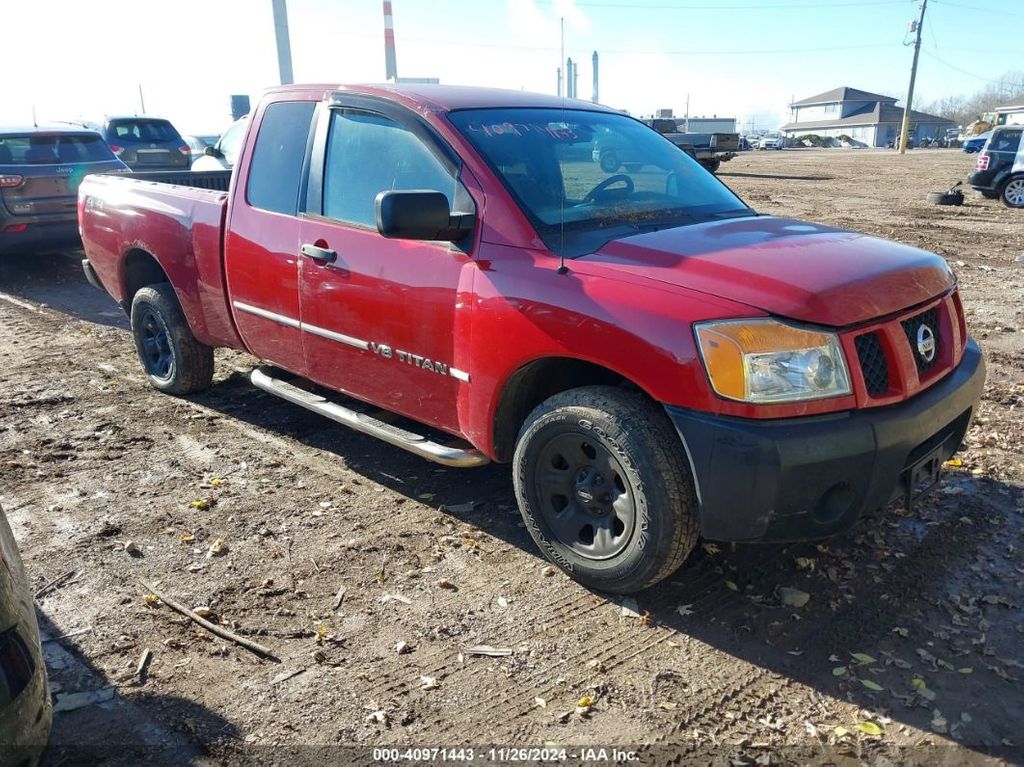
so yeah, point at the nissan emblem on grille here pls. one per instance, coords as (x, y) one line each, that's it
(926, 343)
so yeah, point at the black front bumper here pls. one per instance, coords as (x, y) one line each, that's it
(811, 477)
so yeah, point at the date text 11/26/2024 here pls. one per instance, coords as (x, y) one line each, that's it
(502, 754)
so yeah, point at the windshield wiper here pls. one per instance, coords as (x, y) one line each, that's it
(745, 213)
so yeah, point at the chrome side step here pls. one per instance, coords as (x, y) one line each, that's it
(459, 457)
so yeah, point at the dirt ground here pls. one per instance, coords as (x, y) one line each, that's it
(909, 650)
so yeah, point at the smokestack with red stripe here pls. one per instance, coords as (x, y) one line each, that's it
(389, 43)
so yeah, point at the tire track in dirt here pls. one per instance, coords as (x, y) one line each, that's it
(623, 653)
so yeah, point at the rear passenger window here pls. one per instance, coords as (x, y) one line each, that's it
(368, 154)
(276, 165)
(1005, 141)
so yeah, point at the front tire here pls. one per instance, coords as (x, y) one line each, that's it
(1012, 194)
(609, 162)
(605, 489)
(174, 361)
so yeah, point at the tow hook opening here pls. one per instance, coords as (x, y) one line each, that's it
(834, 504)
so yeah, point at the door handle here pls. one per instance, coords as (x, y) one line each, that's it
(324, 255)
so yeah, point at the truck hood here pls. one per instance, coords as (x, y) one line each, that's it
(787, 268)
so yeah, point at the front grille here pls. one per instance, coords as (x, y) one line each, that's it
(873, 364)
(929, 319)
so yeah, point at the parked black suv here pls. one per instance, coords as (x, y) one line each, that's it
(145, 143)
(40, 170)
(1000, 169)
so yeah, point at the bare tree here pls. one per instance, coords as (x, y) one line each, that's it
(963, 110)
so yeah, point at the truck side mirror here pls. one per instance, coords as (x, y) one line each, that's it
(420, 215)
(212, 151)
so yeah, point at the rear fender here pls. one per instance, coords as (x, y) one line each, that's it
(137, 232)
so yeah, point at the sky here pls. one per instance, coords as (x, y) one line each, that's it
(740, 58)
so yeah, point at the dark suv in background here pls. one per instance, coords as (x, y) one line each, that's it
(40, 170)
(1000, 169)
(145, 143)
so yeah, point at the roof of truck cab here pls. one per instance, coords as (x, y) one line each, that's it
(448, 98)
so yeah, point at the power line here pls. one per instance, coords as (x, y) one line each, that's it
(739, 52)
(963, 71)
(974, 9)
(935, 45)
(817, 7)
(642, 51)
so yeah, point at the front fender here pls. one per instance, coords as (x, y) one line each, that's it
(525, 310)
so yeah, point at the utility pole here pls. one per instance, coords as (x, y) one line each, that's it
(905, 130)
(562, 59)
(284, 46)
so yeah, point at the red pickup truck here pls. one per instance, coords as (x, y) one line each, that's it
(656, 360)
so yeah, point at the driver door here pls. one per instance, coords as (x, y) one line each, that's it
(379, 316)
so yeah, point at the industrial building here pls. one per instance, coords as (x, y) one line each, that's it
(870, 119)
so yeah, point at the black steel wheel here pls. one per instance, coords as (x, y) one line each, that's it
(156, 355)
(174, 361)
(605, 488)
(585, 495)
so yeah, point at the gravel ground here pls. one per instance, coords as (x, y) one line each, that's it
(333, 550)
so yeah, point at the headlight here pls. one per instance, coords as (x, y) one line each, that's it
(765, 360)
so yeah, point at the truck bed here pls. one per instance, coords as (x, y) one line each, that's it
(175, 219)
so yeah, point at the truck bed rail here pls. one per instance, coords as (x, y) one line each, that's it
(215, 180)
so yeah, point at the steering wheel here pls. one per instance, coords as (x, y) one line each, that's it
(594, 193)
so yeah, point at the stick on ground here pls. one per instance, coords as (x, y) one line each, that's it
(213, 628)
(58, 581)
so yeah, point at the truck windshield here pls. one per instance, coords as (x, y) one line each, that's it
(584, 178)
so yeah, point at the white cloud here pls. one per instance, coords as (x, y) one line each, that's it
(573, 16)
(531, 23)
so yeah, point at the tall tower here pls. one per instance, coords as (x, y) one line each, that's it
(390, 67)
(570, 79)
(594, 96)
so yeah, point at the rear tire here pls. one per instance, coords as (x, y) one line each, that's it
(605, 489)
(174, 361)
(712, 165)
(1012, 193)
(946, 198)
